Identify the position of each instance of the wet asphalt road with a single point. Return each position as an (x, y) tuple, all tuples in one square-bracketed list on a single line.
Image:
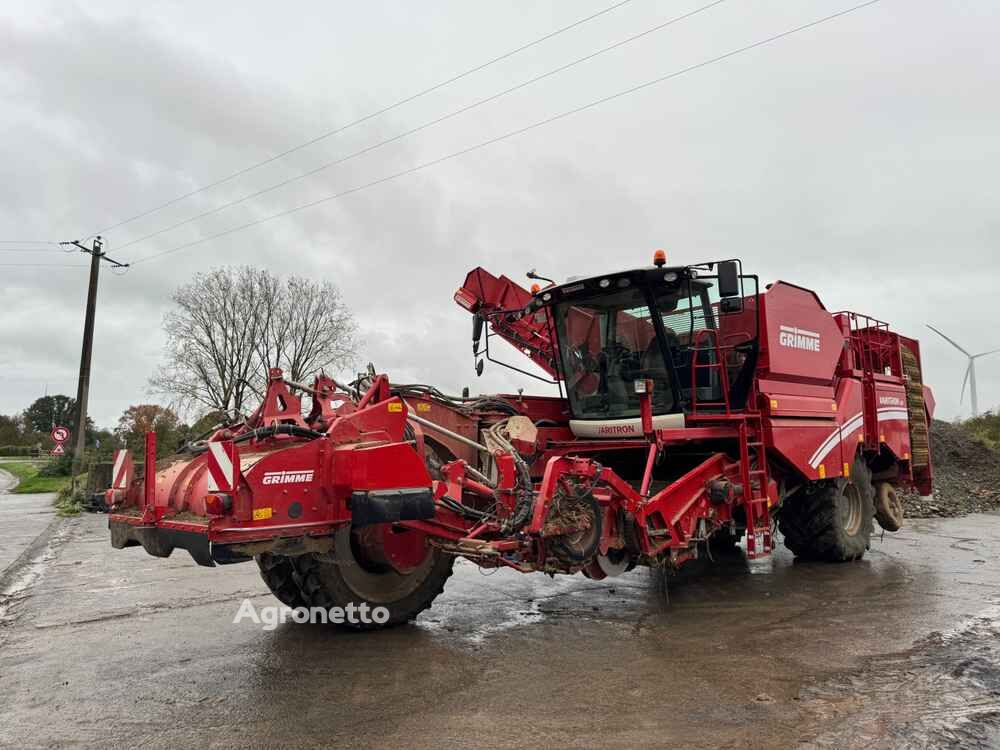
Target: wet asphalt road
[(22, 518), (115, 648)]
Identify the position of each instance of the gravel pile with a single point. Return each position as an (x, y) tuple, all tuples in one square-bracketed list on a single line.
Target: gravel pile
[(966, 475)]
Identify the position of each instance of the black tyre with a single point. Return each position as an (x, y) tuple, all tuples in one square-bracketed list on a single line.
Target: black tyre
[(345, 577), (831, 520), (278, 572), (888, 507)]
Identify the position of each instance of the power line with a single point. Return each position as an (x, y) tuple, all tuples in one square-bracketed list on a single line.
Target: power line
[(517, 132), (30, 250), (428, 124), (27, 242), (41, 265), (382, 111)]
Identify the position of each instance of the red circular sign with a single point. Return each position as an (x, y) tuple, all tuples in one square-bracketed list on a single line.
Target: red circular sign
[(60, 434)]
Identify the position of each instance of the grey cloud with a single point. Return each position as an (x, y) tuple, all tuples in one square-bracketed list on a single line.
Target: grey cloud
[(858, 160)]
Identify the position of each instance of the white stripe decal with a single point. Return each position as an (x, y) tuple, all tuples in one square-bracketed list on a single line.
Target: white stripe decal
[(833, 438), (224, 464), (839, 435), (823, 445), (834, 434), (887, 415)]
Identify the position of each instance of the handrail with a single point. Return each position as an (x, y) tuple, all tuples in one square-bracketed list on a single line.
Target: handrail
[(719, 364)]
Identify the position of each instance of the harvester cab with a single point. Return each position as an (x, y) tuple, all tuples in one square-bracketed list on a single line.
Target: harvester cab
[(686, 335)]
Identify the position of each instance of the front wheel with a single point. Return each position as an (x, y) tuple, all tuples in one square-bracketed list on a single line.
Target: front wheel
[(831, 520), (364, 569)]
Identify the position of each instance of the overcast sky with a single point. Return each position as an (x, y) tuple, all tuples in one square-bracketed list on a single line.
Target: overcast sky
[(859, 158)]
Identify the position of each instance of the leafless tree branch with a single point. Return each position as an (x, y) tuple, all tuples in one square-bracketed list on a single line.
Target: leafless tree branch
[(230, 325)]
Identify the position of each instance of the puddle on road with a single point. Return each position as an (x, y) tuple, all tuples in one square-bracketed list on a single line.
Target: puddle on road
[(531, 615), (944, 692)]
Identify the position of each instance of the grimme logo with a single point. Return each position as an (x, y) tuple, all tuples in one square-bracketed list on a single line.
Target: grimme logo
[(798, 338), (287, 477)]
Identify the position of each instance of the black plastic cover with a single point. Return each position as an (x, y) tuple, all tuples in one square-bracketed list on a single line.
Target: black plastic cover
[(390, 506)]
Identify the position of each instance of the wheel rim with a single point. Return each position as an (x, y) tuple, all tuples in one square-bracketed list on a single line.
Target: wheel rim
[(580, 545), (376, 583), (854, 509)]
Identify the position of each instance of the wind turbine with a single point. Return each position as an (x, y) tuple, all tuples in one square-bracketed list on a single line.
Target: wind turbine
[(970, 371)]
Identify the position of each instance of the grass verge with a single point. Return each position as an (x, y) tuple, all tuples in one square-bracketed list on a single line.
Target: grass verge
[(29, 481)]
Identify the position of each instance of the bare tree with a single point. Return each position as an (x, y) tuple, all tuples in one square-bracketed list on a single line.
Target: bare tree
[(231, 324), (307, 328)]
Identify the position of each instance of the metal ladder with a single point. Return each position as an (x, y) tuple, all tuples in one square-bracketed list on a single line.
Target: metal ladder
[(756, 482)]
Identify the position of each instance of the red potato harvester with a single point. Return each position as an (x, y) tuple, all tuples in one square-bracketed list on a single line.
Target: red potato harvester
[(696, 409)]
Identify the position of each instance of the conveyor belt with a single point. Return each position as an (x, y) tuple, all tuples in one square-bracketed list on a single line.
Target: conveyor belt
[(919, 439)]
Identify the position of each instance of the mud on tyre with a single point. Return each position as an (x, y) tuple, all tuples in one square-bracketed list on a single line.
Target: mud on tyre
[(350, 575), (278, 572), (345, 576), (831, 520)]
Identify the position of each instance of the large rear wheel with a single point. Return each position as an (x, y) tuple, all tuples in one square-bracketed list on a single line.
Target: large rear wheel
[(831, 520), (375, 568)]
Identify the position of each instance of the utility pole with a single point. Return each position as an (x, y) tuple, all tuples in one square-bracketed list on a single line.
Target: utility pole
[(96, 254)]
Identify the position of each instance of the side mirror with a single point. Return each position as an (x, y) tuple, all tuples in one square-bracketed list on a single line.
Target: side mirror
[(729, 279), (479, 367)]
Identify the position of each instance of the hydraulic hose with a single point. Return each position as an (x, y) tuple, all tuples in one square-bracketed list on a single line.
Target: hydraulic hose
[(525, 489), (278, 429), (266, 432)]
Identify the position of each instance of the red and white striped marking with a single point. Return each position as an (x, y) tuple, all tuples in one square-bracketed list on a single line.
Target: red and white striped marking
[(223, 466), (121, 473), (850, 426)]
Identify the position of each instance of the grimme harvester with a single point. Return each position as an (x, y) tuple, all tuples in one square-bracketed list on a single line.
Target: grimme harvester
[(696, 409)]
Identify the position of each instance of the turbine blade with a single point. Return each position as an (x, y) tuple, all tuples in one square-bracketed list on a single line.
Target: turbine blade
[(965, 382), (985, 354), (950, 341)]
